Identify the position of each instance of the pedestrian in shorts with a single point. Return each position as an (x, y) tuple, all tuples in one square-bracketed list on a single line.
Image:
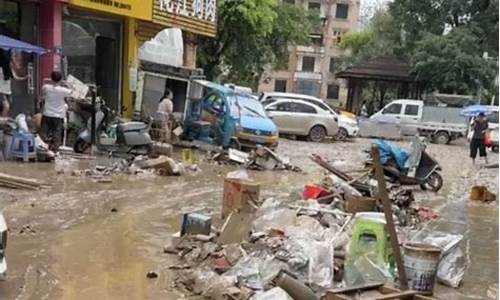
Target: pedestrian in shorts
[(54, 96), (477, 143)]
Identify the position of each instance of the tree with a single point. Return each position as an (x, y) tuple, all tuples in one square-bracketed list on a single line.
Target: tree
[(453, 63), (252, 34)]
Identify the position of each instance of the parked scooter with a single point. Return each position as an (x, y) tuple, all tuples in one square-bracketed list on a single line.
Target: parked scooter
[(113, 135), (425, 173)]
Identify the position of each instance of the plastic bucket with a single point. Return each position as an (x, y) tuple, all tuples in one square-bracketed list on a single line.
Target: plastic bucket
[(421, 263)]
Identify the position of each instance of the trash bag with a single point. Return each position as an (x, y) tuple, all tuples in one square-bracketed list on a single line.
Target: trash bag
[(388, 151), (452, 264), (247, 272), (275, 293), (311, 256)]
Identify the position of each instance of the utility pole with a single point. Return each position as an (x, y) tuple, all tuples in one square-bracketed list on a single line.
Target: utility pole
[(327, 45)]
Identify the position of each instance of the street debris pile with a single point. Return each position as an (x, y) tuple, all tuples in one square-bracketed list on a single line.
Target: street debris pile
[(278, 248), (261, 158), (161, 165)]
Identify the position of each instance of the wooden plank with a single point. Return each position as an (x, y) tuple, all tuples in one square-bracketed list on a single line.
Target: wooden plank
[(384, 198), (399, 295)]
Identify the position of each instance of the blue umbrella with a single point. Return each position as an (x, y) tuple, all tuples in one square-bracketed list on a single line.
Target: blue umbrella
[(7, 43), (474, 110)]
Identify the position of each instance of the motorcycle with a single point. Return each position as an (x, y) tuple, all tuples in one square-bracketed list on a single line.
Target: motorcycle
[(114, 135), (424, 173)]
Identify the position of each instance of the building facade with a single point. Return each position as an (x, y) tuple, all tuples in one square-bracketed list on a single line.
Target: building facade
[(311, 69), (97, 41)]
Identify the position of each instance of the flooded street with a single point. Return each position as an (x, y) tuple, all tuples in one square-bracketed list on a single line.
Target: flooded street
[(78, 239)]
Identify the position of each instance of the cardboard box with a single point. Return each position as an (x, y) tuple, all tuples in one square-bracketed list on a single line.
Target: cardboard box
[(239, 195), (359, 204)]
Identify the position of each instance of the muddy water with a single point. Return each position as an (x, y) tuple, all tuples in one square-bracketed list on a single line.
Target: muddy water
[(91, 240)]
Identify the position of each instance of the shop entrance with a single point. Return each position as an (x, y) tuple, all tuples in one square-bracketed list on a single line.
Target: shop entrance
[(92, 45)]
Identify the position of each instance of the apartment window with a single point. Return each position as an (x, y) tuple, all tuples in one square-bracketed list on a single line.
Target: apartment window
[(308, 63), (280, 85), (332, 92), (316, 40), (333, 65), (314, 6), (337, 35), (342, 11)]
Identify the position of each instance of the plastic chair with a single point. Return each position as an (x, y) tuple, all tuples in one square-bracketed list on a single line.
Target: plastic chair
[(365, 232), (23, 146)]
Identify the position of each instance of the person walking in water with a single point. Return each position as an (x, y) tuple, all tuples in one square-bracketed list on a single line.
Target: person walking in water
[(477, 142)]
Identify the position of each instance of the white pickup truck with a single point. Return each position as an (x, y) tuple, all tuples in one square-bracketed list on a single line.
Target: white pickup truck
[(440, 124)]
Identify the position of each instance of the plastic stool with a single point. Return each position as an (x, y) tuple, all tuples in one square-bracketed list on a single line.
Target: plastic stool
[(366, 229), (23, 146)]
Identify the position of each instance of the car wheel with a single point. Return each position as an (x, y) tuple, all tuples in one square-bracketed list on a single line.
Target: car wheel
[(317, 134), (441, 138), (342, 134)]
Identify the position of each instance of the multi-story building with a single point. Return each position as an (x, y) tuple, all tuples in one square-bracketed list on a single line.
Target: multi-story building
[(311, 69)]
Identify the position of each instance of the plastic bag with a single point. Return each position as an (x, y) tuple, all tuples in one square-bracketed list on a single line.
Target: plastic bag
[(279, 219), (452, 265), (363, 270), (247, 271), (276, 293)]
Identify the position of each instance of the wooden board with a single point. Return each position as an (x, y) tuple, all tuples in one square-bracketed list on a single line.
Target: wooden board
[(383, 196), (237, 228)]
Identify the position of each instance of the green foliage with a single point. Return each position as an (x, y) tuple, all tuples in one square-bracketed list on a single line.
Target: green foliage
[(451, 63), (443, 40), (359, 42), (250, 35)]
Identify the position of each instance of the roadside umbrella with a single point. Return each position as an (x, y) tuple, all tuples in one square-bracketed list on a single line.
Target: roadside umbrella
[(474, 110), (7, 43)]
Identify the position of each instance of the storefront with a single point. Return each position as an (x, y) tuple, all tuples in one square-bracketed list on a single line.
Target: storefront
[(93, 43), (19, 20), (194, 18)]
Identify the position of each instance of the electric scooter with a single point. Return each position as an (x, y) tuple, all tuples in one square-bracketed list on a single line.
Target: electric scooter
[(426, 174), (113, 135)]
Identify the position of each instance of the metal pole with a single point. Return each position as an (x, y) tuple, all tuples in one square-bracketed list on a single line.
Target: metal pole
[(92, 121)]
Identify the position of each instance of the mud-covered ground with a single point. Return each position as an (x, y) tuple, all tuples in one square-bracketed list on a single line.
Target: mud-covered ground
[(79, 239)]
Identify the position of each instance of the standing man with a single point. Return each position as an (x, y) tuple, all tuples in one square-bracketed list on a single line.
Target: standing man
[(54, 110), (479, 127), (164, 114)]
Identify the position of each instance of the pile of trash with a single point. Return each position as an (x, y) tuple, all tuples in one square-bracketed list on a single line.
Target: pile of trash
[(279, 248), (161, 165), (261, 158), (254, 250)]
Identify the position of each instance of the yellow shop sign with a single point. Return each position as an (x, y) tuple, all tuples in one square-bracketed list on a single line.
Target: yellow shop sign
[(140, 9)]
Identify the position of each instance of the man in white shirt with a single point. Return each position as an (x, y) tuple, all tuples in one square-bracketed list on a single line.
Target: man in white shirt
[(164, 115), (54, 111)]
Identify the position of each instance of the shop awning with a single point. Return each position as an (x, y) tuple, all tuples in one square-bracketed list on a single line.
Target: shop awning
[(7, 43)]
